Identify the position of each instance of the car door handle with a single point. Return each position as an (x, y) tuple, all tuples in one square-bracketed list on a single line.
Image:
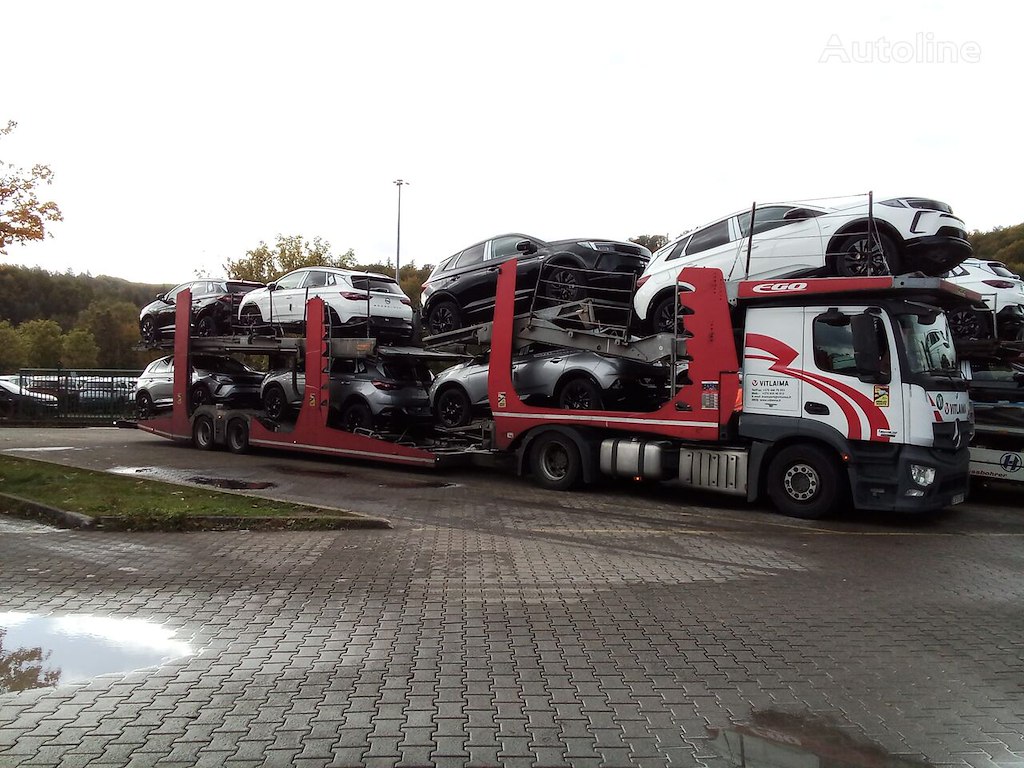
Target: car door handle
[(818, 409)]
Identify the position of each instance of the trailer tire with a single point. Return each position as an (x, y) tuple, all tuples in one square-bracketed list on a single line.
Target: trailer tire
[(203, 434), (238, 436), (804, 481), (555, 462)]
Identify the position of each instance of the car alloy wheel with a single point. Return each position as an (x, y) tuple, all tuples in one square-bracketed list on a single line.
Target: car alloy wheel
[(206, 326), (968, 324), (274, 403), (865, 255), (453, 408), (148, 331), (580, 395), (144, 404), (563, 285), (444, 317)]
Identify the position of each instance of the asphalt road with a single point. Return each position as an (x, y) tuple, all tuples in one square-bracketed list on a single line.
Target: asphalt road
[(501, 624)]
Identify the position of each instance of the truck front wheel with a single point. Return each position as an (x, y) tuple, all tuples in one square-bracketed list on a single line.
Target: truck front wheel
[(555, 462), (804, 481)]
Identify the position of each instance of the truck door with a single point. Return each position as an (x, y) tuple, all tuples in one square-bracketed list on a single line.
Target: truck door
[(838, 391)]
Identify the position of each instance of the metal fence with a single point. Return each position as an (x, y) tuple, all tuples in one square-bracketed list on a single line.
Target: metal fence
[(59, 395)]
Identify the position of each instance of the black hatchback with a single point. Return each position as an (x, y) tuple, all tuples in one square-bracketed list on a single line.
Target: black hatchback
[(460, 291), (214, 307)]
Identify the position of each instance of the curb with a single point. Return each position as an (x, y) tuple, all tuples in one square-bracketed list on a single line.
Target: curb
[(16, 505), (21, 507)]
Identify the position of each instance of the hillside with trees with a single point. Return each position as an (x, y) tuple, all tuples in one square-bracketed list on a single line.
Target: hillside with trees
[(1005, 244)]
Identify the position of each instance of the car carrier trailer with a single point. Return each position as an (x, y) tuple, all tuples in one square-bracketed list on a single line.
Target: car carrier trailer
[(819, 394)]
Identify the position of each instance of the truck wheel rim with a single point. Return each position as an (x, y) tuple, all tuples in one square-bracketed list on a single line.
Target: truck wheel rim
[(204, 432), (555, 462), (801, 482)]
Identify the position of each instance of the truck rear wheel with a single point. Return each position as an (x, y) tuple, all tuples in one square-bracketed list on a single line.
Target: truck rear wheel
[(804, 481), (202, 433), (555, 462), (238, 436)]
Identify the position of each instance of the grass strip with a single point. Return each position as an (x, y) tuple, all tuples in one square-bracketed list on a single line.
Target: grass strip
[(118, 502)]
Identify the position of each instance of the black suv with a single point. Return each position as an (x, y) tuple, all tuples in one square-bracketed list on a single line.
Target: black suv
[(214, 307), (460, 291)]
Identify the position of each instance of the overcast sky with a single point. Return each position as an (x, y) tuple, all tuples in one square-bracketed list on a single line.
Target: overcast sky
[(182, 134)]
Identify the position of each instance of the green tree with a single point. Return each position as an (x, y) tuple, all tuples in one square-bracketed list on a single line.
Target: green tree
[(650, 242), (12, 349), (42, 343), (266, 263), (115, 328), (1005, 244), (78, 349), (23, 216)]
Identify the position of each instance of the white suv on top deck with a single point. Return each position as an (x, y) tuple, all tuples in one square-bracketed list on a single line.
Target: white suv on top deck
[(350, 297), (910, 234), (1003, 292)]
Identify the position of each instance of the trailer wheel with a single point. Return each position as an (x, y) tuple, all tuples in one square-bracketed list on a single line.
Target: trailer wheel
[(238, 436), (202, 433), (804, 481), (555, 462)]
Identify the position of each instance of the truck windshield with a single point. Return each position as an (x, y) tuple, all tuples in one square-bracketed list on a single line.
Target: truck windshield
[(929, 344)]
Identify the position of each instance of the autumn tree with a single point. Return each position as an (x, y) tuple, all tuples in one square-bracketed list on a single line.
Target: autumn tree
[(78, 349), (650, 242), (42, 343), (1005, 244), (266, 263), (23, 216), (12, 349)]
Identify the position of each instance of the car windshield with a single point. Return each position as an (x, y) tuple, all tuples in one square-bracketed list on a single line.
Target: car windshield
[(928, 342)]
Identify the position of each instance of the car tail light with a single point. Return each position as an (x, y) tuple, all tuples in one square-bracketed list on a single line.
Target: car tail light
[(425, 285), (640, 281), (227, 299), (999, 283), (354, 296), (387, 386), (406, 300)]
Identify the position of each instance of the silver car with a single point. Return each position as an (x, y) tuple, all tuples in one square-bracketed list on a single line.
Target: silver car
[(364, 394), (215, 379), (570, 379)]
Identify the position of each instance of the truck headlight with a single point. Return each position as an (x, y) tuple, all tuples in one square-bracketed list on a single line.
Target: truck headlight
[(921, 475)]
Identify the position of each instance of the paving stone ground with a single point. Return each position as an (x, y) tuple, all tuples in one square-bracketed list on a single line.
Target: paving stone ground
[(498, 624)]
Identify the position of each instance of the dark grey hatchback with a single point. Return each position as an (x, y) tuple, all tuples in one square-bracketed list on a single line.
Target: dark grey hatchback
[(460, 291)]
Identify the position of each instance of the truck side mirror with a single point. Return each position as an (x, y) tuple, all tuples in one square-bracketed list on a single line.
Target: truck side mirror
[(526, 246), (867, 352)]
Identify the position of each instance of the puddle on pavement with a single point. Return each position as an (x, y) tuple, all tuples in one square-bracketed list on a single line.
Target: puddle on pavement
[(286, 470), (42, 449), (178, 475), (39, 651), (418, 484), (784, 740), (233, 485)]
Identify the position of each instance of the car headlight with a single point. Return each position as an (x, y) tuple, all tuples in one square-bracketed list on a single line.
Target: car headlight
[(922, 475)]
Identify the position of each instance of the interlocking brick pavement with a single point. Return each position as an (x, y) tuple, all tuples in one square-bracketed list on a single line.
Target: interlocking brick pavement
[(501, 625)]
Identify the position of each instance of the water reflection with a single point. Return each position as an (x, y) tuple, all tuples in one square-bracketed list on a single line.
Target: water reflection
[(45, 651), (785, 740)]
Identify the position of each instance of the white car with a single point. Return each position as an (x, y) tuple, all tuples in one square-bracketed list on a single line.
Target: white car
[(350, 296), (1003, 292), (911, 234)]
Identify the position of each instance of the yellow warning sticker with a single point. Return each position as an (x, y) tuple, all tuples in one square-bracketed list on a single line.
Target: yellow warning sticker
[(881, 395)]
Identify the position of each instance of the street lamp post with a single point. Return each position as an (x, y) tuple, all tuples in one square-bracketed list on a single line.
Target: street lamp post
[(398, 237)]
